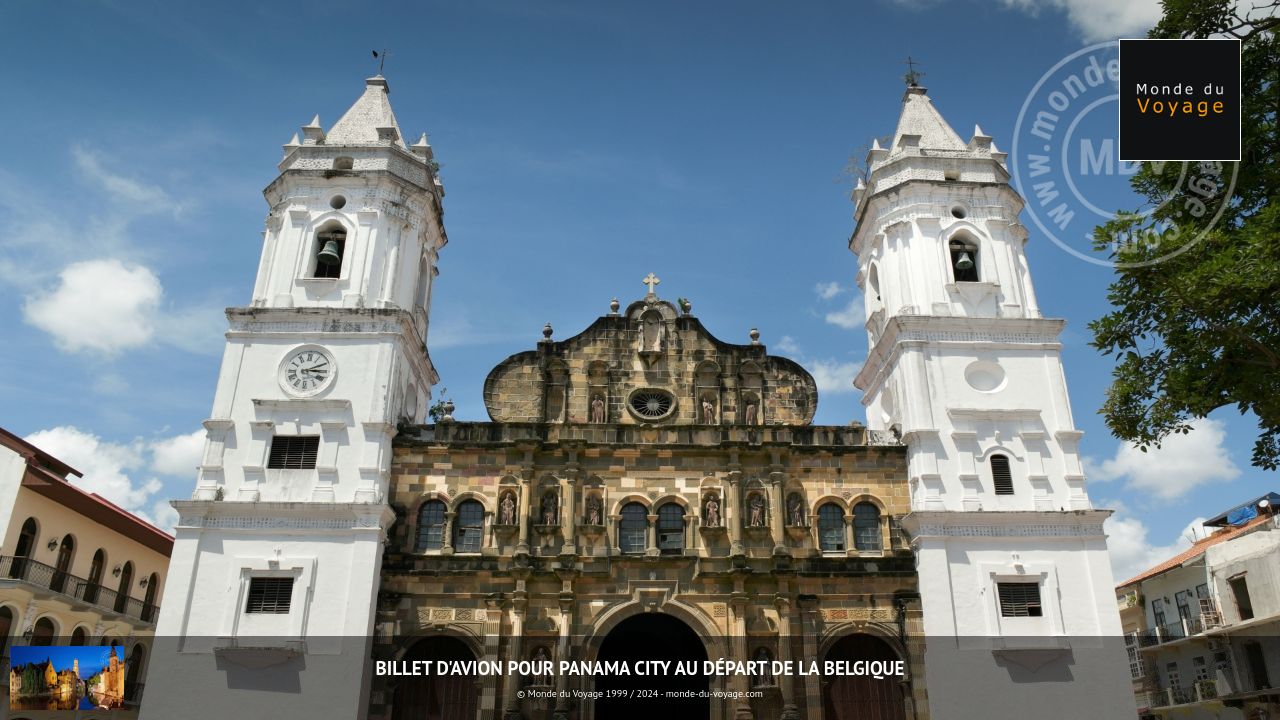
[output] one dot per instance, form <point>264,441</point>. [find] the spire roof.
<point>361,123</point>
<point>920,117</point>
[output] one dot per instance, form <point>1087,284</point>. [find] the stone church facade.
<point>645,466</point>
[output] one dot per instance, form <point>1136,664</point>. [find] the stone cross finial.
<point>651,280</point>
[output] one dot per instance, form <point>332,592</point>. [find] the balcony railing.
<point>1200,691</point>
<point>77,588</point>
<point>1181,628</point>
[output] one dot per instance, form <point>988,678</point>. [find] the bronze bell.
<point>964,262</point>
<point>329,255</point>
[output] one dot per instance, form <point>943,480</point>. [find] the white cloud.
<point>110,306</point>
<point>106,466</point>
<point>149,198</point>
<point>850,317</point>
<point>833,377</point>
<point>787,345</point>
<point>828,290</point>
<point>1180,464</point>
<point>100,305</point>
<point>1098,20</point>
<point>1132,552</point>
<point>1094,20</point>
<point>178,455</point>
<point>119,471</point>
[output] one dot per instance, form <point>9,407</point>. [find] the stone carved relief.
<point>755,510</point>
<point>795,510</point>
<point>597,409</point>
<point>595,510</point>
<point>550,509</point>
<point>507,509</point>
<point>711,512</point>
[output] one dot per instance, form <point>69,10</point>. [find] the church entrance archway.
<point>652,636</point>
<point>436,697</point>
<point>862,697</point>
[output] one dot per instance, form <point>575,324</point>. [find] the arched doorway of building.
<point>42,632</point>
<point>436,697</point>
<point>22,551</point>
<point>652,636</point>
<point>862,697</point>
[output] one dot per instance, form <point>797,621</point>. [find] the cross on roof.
<point>651,280</point>
<point>913,76</point>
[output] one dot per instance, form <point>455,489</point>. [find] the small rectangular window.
<point>1019,599</point>
<point>269,595</point>
<point>294,452</point>
<point>1001,477</point>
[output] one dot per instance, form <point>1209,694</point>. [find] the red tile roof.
<point>1196,550</point>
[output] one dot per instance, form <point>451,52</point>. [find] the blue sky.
<point>582,145</point>
<point>92,658</point>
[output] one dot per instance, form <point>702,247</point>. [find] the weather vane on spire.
<point>913,75</point>
<point>381,57</point>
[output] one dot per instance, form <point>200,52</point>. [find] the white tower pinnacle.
<point>276,564</point>
<point>1013,564</point>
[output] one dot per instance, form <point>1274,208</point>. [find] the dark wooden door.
<point>437,697</point>
<point>863,697</point>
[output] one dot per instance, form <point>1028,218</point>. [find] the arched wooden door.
<point>122,594</point>
<point>863,697</point>
<point>436,697</point>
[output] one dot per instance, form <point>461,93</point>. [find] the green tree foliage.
<point>1200,330</point>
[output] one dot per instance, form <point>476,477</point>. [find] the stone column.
<point>522,548</point>
<point>741,683</point>
<point>849,548</point>
<point>562,653</point>
<point>511,682</point>
<point>778,516</point>
<point>786,682</point>
<point>612,532</point>
<point>446,542</point>
<point>652,550</point>
<point>730,511</point>
<point>569,511</point>
<point>810,630</point>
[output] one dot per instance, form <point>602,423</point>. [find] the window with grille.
<point>633,528</point>
<point>866,526</point>
<point>831,528</point>
<point>269,595</point>
<point>1019,599</point>
<point>468,527</point>
<point>1001,477</point>
<point>294,452</point>
<point>430,526</point>
<point>671,529</point>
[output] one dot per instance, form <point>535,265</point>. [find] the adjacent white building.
<point>270,602</point>
<point>1015,580</point>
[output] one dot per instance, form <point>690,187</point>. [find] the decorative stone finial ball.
<point>614,305</point>
<point>546,331</point>
<point>755,336</point>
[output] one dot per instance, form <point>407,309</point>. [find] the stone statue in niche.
<point>594,510</point>
<point>749,412</point>
<point>654,333</point>
<point>795,508</point>
<point>708,412</point>
<point>756,516</point>
<point>711,513</point>
<point>540,661</point>
<point>549,514</point>
<point>765,676</point>
<point>597,409</point>
<point>507,510</point>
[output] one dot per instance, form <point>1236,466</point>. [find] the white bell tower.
<point>1015,580</point>
<point>275,568</point>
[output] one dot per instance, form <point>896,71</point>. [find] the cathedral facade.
<point>643,492</point>
<point>645,489</point>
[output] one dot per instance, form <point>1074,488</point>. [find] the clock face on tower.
<point>307,371</point>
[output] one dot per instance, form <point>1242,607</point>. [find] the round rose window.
<point>651,404</point>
